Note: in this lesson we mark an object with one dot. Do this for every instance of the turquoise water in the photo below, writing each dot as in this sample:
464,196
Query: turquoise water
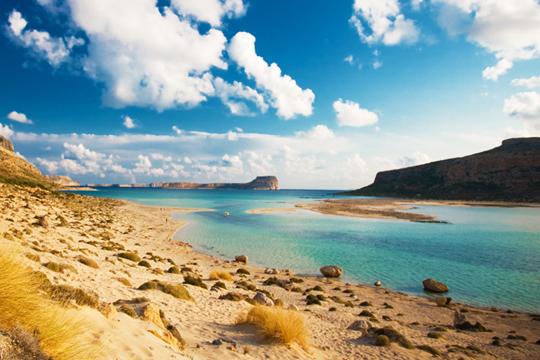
487,256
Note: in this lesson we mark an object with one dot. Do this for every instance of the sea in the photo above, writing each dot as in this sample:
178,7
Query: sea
488,256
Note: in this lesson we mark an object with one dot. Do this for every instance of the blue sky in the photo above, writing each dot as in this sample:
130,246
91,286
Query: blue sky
322,94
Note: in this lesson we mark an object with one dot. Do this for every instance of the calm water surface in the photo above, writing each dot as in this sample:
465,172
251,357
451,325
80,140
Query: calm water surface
487,256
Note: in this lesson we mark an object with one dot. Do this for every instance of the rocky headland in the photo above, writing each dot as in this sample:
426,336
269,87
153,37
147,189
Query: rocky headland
510,172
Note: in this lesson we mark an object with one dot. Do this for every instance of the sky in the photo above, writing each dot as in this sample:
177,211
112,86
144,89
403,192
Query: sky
322,94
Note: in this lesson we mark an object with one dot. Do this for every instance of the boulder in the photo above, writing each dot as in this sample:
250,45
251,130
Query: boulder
378,283
151,313
360,325
241,258
434,286
331,271
263,299
271,271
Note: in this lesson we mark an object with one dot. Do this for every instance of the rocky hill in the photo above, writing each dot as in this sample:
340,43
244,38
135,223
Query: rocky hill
259,183
510,172
16,170
63,180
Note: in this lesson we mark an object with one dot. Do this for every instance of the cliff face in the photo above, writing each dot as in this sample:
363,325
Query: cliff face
510,172
16,170
6,144
259,183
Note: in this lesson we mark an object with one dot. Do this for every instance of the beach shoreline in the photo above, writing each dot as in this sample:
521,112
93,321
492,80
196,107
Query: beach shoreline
97,228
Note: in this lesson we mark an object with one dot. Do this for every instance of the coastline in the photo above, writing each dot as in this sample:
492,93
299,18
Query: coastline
93,225
395,208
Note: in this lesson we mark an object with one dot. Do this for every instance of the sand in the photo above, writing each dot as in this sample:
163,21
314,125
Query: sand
90,226
387,208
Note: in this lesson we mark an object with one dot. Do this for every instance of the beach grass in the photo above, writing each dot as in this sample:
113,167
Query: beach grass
285,326
62,333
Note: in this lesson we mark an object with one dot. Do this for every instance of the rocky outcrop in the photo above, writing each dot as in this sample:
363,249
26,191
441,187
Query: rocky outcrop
6,144
510,172
434,286
259,183
63,181
16,170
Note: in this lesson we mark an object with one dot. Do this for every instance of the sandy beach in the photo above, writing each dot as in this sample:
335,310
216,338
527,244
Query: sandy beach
344,325
388,208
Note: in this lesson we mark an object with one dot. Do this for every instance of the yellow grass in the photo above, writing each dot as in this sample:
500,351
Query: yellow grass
220,275
286,326
62,333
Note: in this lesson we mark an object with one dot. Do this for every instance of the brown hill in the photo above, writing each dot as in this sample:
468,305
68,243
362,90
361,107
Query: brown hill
259,183
16,170
510,172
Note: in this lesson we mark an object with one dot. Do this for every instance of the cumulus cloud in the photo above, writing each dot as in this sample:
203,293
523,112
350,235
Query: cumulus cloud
525,106
145,56
235,95
381,21
55,50
19,117
289,99
529,83
128,122
349,113
5,131
210,11
508,29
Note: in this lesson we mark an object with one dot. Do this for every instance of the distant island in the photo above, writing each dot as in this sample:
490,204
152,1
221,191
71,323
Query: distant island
259,183
510,172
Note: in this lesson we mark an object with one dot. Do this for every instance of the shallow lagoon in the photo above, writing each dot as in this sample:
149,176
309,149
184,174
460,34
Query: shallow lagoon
487,256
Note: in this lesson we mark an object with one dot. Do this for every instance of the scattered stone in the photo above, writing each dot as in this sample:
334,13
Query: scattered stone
462,323
233,296
262,299
378,283
42,221
360,325
195,281
243,271
434,286
144,263
271,271
218,285
382,340
443,301
331,271
429,349
241,258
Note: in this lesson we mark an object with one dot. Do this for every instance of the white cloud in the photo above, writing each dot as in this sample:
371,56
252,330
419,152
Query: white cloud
416,4
210,11
508,29
377,64
501,68
286,96
526,107
529,83
128,122
5,131
385,22
349,113
232,95
349,59
54,50
318,132
146,56
19,117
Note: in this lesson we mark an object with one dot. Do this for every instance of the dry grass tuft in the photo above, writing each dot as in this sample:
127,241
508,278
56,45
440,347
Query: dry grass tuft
66,294
220,275
62,333
285,326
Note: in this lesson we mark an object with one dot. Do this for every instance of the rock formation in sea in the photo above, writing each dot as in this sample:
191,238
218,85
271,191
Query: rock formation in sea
510,172
259,183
